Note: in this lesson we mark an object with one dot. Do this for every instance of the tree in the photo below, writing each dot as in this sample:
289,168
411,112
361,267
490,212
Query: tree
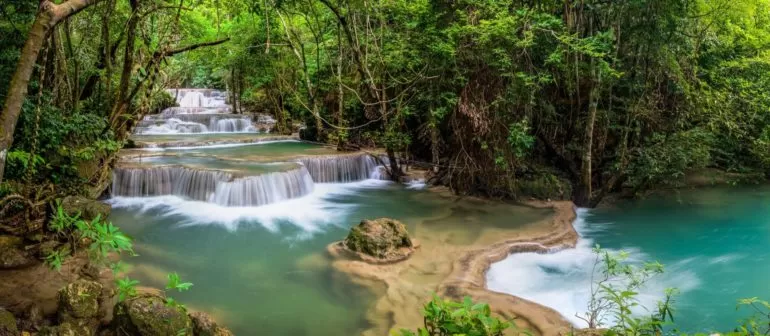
49,15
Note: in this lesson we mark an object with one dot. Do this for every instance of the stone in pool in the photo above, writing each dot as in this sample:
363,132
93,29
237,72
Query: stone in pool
382,239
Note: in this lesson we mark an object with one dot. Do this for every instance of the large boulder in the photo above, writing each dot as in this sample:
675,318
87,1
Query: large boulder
79,308
382,238
79,300
7,323
204,325
87,208
149,315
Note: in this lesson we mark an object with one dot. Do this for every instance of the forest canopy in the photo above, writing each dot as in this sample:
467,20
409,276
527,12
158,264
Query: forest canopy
553,99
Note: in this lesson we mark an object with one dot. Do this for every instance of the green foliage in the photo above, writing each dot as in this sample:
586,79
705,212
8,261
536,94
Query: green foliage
446,317
126,288
614,295
519,138
175,283
105,238
666,159
55,259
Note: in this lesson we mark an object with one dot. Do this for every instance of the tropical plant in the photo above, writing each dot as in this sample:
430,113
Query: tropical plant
614,303
445,317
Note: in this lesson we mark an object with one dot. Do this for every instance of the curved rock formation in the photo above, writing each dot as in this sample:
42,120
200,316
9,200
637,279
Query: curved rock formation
460,270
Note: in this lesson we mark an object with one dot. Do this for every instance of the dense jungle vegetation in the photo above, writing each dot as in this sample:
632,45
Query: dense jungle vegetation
571,99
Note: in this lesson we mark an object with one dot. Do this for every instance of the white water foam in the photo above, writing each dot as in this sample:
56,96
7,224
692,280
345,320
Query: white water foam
310,213
562,279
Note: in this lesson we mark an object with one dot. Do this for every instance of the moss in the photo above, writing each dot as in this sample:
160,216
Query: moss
204,325
79,300
379,238
149,315
7,323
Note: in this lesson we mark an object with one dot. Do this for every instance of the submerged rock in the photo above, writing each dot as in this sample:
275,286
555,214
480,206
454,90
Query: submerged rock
148,315
7,323
204,325
87,208
382,238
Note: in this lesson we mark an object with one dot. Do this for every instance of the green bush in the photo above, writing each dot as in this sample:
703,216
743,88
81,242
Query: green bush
446,317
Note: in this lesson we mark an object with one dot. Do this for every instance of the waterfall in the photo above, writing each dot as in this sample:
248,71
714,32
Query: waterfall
156,181
232,125
264,189
173,125
345,168
194,123
212,186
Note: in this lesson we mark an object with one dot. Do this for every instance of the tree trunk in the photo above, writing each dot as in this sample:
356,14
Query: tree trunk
584,191
48,16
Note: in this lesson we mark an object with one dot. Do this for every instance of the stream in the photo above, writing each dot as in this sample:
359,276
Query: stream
248,224
246,217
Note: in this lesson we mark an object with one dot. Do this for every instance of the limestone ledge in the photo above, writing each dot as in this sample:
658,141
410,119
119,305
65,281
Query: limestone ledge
458,271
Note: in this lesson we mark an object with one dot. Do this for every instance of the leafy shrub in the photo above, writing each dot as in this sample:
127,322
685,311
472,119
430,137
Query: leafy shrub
105,238
614,294
665,159
446,317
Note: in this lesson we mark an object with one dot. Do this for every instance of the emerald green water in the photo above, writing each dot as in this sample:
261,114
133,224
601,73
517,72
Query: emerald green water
272,150
245,167
264,270
715,244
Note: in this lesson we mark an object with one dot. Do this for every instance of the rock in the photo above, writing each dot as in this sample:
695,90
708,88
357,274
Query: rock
382,238
14,257
47,247
204,325
7,323
10,241
66,329
79,300
87,208
148,315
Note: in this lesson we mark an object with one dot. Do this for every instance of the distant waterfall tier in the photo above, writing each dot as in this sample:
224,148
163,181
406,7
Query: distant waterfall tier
212,186
340,169
199,97
215,123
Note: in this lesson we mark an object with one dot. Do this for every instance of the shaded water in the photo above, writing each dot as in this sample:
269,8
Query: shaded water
263,270
714,243
262,151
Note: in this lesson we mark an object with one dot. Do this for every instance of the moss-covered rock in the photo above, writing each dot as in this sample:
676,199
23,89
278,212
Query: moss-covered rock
79,300
7,323
12,255
148,315
204,325
87,208
66,329
381,238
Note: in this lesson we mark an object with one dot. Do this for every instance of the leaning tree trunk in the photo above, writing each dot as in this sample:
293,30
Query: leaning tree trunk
48,16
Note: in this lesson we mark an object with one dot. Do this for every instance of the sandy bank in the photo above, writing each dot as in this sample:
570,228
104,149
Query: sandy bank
455,271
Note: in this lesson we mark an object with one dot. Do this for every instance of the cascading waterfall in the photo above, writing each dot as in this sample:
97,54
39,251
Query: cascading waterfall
340,169
232,125
199,111
196,184
212,186
264,189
